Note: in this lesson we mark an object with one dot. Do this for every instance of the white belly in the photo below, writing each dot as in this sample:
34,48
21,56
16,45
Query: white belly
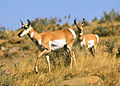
57,44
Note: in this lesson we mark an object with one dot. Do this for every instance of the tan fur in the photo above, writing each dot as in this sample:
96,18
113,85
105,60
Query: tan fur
46,37
87,37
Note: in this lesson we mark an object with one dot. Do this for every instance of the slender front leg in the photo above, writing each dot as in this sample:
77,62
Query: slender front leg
73,59
41,54
95,50
71,62
72,55
48,60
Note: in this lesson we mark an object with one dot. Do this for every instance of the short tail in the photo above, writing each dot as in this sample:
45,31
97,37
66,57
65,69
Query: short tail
97,38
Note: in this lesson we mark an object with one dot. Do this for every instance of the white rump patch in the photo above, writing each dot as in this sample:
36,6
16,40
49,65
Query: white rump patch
57,44
73,32
90,43
39,42
97,38
31,35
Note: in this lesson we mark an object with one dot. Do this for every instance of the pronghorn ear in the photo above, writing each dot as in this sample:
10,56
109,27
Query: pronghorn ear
82,24
83,20
22,22
29,23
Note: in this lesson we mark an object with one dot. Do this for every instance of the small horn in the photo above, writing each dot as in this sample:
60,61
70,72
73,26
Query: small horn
22,22
83,21
29,23
75,22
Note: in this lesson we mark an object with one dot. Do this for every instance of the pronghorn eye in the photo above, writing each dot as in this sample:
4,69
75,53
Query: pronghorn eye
25,27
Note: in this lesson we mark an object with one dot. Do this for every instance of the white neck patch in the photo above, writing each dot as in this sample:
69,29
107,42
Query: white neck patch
31,35
81,33
39,42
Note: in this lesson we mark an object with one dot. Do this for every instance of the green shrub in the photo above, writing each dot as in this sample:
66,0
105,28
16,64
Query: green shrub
26,47
95,19
101,31
110,45
5,78
2,33
117,26
102,20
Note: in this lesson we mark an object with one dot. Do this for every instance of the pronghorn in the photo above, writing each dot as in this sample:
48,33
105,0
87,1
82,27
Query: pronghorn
50,41
88,41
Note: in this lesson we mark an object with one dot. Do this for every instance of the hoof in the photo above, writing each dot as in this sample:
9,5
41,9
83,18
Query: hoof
36,69
36,72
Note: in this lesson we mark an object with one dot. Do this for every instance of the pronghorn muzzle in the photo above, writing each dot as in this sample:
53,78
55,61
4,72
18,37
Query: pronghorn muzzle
20,33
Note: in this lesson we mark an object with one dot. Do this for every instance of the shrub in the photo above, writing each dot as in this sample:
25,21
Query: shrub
101,31
2,33
95,19
102,20
26,47
117,26
6,79
109,46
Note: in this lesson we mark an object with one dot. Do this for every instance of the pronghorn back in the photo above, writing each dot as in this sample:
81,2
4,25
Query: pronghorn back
56,38
56,35
50,41
89,38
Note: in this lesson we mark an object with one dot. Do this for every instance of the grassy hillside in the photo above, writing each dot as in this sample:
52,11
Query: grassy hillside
18,55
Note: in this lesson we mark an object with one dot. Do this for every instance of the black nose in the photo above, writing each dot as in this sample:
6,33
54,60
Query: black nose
19,34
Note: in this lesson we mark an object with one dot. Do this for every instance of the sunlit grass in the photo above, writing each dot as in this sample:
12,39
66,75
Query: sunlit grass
104,66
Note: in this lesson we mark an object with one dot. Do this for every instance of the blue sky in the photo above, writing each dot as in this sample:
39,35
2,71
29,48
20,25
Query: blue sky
11,11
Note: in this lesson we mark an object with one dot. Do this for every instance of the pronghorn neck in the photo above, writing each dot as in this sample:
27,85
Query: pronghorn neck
34,36
81,30
80,35
31,33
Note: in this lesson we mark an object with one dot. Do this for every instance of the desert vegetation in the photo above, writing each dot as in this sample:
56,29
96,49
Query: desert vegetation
18,55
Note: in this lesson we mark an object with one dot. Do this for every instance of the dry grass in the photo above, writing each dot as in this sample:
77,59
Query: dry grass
103,70
17,59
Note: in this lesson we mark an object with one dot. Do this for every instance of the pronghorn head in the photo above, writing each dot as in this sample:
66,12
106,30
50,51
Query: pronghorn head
26,28
80,24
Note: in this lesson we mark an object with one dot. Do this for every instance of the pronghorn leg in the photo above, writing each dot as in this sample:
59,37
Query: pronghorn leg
48,60
72,59
91,51
72,56
94,50
41,54
71,62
